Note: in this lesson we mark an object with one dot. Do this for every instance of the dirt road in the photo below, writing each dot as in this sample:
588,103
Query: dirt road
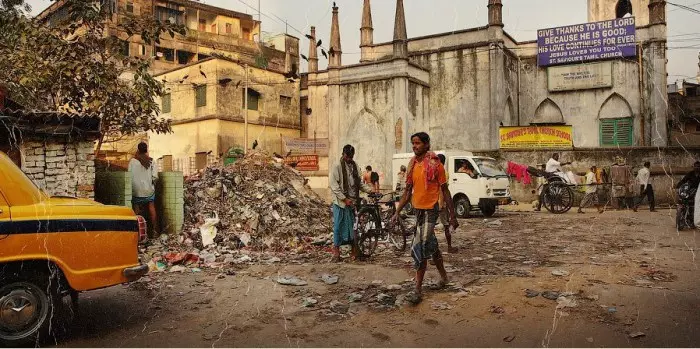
617,274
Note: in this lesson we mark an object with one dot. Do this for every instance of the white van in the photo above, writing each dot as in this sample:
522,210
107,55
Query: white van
487,187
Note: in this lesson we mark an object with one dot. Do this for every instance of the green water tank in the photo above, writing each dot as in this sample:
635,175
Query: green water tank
170,196
113,188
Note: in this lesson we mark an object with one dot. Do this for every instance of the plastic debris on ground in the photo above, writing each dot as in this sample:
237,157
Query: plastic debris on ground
291,281
329,279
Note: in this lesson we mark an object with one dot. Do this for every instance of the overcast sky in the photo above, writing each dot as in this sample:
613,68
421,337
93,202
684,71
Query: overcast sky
522,19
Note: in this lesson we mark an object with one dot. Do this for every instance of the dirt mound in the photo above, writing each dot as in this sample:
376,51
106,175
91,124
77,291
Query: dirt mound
256,202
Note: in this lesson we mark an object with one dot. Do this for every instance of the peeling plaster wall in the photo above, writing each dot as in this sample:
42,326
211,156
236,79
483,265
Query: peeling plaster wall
366,122
459,96
580,108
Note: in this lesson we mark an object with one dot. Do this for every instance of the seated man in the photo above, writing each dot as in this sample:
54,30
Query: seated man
466,168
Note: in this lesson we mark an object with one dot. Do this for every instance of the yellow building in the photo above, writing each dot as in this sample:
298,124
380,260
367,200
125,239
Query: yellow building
206,106
210,31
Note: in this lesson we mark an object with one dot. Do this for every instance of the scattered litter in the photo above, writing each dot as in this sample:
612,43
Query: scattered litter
637,334
393,287
291,281
377,282
496,223
329,279
531,293
273,260
589,339
177,269
475,290
386,299
612,310
243,259
560,273
339,307
566,302
508,339
208,230
551,295
309,302
355,297
441,306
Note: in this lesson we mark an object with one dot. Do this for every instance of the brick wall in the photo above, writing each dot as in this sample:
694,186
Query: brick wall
61,168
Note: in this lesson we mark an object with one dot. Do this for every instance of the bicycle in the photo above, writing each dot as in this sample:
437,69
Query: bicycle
373,224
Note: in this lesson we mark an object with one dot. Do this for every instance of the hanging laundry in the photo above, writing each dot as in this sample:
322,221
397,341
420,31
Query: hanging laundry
520,172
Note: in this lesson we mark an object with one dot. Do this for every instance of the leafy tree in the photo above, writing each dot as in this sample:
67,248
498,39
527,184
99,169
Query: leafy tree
78,65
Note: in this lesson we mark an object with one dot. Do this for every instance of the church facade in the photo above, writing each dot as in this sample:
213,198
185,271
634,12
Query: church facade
462,87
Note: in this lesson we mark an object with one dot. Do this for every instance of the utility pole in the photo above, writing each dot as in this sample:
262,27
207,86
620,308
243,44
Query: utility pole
245,106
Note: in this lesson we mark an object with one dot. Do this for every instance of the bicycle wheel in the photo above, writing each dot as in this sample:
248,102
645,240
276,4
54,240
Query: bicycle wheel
395,232
369,229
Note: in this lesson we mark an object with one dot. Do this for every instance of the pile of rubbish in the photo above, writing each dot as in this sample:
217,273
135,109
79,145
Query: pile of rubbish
257,202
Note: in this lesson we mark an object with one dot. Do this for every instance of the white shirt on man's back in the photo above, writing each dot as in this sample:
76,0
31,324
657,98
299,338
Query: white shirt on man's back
142,179
553,166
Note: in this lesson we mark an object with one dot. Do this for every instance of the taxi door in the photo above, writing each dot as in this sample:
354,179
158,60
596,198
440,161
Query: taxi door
5,221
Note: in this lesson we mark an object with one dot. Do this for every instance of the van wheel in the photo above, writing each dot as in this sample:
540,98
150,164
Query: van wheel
488,210
463,207
27,310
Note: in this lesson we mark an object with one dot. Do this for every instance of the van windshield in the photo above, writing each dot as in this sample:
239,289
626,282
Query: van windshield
490,168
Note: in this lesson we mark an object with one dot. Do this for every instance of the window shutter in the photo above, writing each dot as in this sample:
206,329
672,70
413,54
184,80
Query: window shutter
624,132
607,132
616,132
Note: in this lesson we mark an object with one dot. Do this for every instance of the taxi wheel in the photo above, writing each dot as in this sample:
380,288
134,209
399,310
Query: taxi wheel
27,310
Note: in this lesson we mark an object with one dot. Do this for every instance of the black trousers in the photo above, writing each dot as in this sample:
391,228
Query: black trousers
649,194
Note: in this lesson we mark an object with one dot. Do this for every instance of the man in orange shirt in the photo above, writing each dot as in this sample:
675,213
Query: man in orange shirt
425,181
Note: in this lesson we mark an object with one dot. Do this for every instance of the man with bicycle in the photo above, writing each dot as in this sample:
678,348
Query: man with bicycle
425,180
346,184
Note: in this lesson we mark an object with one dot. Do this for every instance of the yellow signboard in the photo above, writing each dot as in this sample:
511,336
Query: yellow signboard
537,137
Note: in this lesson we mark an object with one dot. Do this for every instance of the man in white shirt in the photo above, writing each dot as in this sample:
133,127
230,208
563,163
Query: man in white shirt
591,192
553,165
646,189
143,178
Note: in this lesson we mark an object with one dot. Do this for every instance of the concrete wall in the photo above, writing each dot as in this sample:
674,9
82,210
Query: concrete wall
668,165
217,136
225,100
582,109
460,95
61,168
366,111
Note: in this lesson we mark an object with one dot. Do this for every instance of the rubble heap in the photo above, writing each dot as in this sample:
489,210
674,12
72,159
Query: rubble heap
258,202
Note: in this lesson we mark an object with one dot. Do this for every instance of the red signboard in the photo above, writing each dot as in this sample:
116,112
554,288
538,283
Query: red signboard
303,162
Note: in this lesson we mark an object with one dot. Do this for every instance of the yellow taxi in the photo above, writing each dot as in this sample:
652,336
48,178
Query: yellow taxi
52,248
